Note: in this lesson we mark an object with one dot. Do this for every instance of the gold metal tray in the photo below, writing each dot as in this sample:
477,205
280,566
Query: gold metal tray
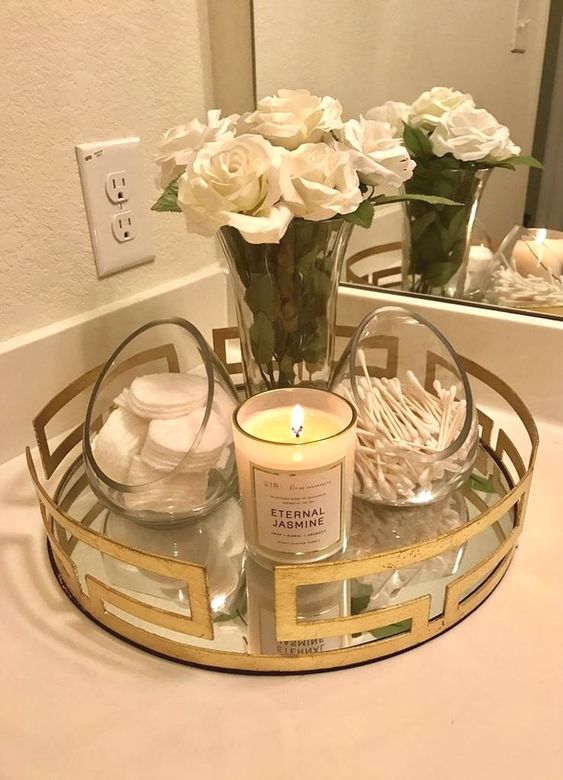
406,577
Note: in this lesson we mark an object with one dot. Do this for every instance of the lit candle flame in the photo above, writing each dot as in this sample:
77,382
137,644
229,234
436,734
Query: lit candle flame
297,417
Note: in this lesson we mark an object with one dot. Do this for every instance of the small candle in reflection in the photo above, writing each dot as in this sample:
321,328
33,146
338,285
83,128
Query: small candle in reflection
540,256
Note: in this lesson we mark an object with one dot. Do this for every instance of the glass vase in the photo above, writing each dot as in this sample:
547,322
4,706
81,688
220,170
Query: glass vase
286,302
438,237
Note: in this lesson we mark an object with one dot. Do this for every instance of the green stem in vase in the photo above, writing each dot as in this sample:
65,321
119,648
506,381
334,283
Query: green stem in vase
286,301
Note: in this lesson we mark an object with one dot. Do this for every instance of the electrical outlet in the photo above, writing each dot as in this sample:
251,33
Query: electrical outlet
113,185
123,226
117,186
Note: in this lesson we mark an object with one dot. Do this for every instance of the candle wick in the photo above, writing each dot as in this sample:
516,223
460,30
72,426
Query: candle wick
297,431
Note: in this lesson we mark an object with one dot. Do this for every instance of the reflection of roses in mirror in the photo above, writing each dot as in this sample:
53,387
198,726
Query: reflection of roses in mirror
455,146
472,134
430,107
293,117
379,156
392,112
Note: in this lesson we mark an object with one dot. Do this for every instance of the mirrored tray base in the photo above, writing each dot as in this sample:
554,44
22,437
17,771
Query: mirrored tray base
190,593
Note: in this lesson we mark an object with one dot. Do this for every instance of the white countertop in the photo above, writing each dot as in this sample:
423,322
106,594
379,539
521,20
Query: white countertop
482,701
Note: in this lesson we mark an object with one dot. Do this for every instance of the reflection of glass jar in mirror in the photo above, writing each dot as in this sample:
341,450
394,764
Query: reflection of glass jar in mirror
216,542
527,270
158,442
325,601
417,430
377,529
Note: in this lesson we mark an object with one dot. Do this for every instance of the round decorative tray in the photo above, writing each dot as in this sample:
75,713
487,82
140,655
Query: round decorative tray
189,593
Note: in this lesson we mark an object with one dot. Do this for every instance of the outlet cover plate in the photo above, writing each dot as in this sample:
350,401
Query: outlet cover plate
95,162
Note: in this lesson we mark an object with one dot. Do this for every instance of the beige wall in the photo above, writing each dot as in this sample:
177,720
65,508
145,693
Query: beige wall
84,71
368,51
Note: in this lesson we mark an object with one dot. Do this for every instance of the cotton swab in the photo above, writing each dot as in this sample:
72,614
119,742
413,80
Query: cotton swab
401,424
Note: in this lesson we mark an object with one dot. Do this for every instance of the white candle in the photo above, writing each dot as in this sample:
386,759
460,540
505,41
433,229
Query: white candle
477,265
540,256
478,256
295,473
323,601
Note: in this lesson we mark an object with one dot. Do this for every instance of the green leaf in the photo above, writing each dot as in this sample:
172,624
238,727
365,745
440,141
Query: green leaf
363,215
437,274
418,226
168,199
481,484
503,164
394,628
322,283
262,338
287,368
446,163
417,142
520,159
457,227
434,200
261,295
362,592
316,345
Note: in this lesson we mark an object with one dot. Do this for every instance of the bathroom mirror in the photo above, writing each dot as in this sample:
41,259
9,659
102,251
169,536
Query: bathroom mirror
508,54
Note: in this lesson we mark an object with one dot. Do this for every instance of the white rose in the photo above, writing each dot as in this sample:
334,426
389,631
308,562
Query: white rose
472,134
379,157
293,117
178,144
392,112
428,109
235,182
319,182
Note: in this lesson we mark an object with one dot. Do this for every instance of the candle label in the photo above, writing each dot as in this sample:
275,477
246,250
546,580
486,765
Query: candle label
298,511
272,646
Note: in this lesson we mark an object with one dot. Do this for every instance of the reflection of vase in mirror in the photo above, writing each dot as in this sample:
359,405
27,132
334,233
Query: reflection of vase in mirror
436,247
326,601
286,302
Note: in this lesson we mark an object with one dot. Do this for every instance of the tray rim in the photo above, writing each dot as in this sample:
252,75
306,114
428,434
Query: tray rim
288,578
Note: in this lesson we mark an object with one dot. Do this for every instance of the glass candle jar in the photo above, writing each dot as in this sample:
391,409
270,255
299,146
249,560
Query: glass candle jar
295,459
526,272
322,601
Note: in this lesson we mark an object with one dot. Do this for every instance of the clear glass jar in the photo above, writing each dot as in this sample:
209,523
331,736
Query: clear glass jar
417,431
526,271
158,442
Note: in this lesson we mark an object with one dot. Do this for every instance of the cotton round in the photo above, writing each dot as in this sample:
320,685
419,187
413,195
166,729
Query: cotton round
175,493
121,437
168,441
165,396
